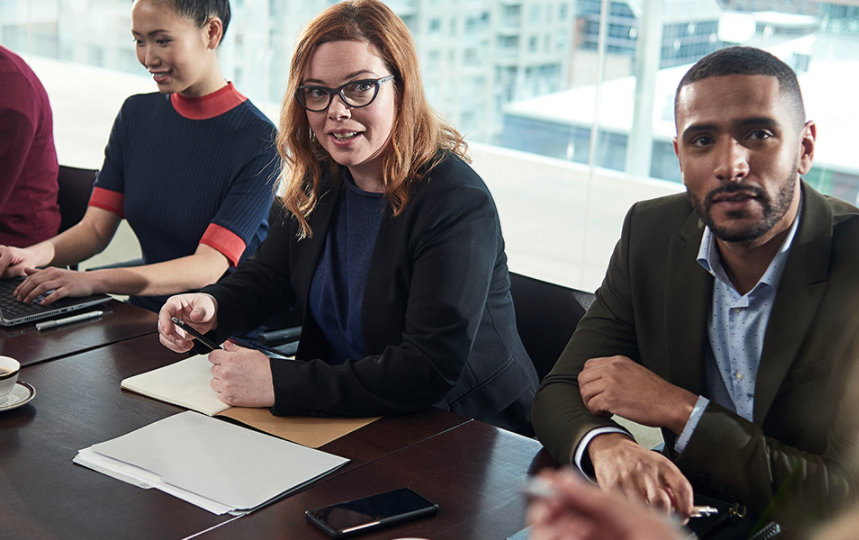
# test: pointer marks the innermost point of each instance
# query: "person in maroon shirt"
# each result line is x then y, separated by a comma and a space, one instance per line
29, 212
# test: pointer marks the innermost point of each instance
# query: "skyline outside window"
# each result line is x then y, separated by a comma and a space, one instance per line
568, 111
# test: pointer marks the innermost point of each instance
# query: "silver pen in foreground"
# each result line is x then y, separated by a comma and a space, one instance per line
535, 487
68, 320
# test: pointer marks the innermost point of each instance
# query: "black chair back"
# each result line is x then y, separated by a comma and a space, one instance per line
546, 315
73, 197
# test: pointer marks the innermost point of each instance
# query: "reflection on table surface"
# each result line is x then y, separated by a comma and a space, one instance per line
472, 470
120, 321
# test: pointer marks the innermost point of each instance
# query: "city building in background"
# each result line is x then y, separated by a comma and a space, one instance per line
689, 29
476, 55
567, 104
547, 126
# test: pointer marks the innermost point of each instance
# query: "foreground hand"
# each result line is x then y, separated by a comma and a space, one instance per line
242, 377
197, 309
579, 510
622, 465
617, 385
59, 280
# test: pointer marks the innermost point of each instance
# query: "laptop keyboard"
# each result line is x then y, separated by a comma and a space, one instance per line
13, 312
12, 308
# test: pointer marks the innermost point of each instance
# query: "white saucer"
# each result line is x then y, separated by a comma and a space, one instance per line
20, 394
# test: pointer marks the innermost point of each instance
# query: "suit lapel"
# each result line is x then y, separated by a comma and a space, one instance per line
800, 292
309, 250
688, 295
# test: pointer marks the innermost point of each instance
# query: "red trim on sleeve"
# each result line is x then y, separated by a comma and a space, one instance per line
225, 241
210, 105
112, 201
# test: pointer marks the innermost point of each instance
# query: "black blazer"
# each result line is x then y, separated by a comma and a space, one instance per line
437, 317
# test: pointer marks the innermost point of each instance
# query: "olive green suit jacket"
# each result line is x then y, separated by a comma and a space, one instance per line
793, 460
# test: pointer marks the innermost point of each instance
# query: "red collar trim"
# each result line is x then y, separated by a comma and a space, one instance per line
210, 105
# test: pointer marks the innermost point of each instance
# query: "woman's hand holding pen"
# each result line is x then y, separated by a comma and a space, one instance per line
197, 310
242, 377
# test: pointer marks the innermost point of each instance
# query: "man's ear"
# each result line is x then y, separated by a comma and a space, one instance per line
807, 141
677, 153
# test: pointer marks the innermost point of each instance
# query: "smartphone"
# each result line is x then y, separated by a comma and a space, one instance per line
349, 518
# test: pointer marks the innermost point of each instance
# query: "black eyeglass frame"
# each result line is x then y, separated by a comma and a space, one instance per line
377, 83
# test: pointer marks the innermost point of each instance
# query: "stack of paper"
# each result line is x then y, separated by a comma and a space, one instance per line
208, 462
186, 383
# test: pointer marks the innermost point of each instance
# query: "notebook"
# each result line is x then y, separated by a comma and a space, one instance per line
13, 312
186, 383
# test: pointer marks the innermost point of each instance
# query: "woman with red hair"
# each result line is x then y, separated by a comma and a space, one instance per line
387, 241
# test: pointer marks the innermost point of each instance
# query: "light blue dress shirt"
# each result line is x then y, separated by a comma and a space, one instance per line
737, 327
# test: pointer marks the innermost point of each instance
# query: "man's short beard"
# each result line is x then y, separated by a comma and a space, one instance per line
773, 211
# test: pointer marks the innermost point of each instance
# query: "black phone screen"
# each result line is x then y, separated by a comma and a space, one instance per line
349, 518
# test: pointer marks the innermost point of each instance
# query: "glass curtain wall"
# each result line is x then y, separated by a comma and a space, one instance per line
567, 105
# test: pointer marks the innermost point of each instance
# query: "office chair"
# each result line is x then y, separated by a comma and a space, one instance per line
546, 315
73, 197
75, 188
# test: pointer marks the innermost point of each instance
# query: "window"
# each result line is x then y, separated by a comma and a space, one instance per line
534, 14
435, 26
556, 145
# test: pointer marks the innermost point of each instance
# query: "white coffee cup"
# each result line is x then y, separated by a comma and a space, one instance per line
9, 368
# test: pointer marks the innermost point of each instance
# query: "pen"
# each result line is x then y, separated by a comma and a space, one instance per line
537, 487
68, 320
197, 335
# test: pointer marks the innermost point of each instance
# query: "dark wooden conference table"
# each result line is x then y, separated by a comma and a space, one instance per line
120, 321
471, 469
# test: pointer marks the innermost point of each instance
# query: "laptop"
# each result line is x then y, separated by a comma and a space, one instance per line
13, 312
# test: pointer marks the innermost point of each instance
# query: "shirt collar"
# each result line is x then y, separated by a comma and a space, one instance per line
210, 105
708, 255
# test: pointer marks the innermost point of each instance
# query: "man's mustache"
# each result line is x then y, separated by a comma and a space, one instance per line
734, 188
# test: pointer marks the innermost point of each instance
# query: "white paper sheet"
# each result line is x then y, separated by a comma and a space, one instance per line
230, 465
144, 479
